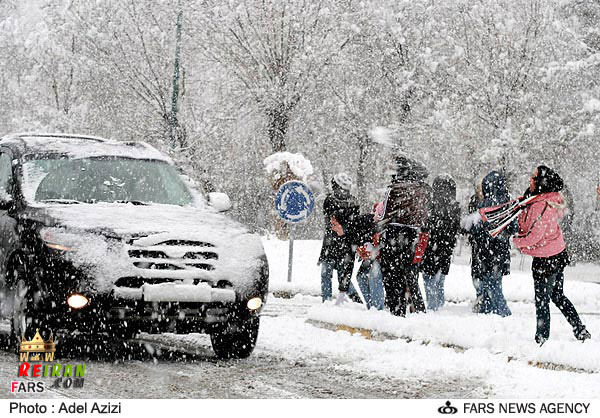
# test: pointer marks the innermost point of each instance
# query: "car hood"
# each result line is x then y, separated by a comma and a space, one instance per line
110, 231
124, 220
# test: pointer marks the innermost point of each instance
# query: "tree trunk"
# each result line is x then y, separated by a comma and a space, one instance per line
363, 153
278, 124
174, 134
277, 128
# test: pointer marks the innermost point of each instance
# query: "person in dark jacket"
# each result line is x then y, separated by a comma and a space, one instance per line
336, 252
540, 236
474, 202
443, 224
493, 252
405, 214
356, 228
369, 277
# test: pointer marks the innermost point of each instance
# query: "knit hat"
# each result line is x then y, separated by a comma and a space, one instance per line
408, 169
343, 180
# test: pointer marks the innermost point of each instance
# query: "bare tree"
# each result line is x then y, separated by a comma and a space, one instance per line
374, 82
135, 46
275, 50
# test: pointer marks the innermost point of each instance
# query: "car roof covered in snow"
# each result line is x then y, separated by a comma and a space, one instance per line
79, 146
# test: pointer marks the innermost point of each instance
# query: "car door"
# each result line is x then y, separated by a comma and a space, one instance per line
7, 225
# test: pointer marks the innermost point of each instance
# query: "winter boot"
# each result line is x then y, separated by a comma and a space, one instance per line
477, 305
342, 299
540, 340
581, 333
354, 297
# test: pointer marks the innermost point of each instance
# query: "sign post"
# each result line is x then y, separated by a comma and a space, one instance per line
294, 204
290, 253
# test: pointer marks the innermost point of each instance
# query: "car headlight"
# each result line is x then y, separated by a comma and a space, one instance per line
77, 301
254, 304
59, 239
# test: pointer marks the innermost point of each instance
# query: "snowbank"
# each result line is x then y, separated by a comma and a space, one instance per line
421, 366
455, 324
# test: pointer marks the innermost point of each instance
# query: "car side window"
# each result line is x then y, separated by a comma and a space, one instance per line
5, 174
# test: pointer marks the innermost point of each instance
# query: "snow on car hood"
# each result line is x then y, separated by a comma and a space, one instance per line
145, 228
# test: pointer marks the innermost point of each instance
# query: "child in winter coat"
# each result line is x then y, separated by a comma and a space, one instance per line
336, 252
443, 225
541, 236
493, 253
369, 275
466, 223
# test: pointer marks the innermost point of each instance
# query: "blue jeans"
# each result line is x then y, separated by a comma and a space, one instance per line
344, 271
370, 281
434, 290
477, 285
493, 300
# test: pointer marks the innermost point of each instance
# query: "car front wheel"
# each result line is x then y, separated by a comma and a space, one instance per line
236, 342
26, 317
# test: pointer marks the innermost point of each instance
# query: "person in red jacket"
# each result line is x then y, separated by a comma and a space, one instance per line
541, 237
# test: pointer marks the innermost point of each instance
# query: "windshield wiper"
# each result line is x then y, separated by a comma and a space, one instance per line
63, 201
133, 202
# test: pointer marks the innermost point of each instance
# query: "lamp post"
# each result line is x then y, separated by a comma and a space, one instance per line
173, 123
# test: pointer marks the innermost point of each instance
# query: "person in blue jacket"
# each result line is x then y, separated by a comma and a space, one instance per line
493, 253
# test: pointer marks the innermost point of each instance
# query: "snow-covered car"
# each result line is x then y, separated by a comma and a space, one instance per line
102, 237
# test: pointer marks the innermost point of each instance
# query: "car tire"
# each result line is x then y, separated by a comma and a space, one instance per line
236, 342
27, 318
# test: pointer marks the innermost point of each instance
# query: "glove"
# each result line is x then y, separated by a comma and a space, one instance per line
363, 253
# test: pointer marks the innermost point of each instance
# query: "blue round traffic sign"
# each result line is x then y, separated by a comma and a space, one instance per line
294, 201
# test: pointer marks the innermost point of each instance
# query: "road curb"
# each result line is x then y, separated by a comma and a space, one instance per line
383, 336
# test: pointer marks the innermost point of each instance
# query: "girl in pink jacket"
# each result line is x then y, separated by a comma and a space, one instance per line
541, 237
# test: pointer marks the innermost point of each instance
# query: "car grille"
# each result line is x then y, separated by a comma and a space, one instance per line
174, 255
182, 243
156, 266
135, 282
201, 255
146, 254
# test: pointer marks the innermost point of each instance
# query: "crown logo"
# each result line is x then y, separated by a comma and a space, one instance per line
37, 347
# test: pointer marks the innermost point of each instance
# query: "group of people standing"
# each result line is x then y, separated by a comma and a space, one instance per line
415, 228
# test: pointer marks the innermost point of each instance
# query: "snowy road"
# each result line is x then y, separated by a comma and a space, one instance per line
171, 366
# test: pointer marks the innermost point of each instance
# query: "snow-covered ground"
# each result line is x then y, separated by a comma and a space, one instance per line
303, 352
454, 341
431, 369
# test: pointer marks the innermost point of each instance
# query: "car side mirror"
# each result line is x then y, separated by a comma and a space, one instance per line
219, 201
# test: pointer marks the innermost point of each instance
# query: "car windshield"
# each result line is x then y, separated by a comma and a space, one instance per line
90, 180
